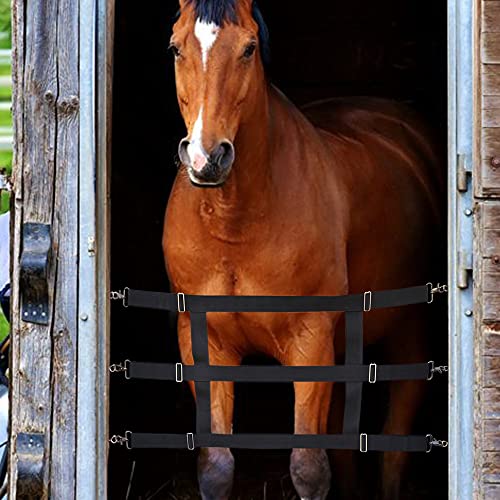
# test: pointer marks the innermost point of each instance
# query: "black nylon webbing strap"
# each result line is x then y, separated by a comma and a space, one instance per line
282, 441
246, 373
199, 338
353, 356
353, 372
218, 303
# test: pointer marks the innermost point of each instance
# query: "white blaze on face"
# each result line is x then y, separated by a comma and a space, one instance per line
195, 149
206, 33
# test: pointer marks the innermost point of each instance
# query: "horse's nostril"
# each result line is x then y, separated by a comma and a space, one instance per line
183, 151
225, 155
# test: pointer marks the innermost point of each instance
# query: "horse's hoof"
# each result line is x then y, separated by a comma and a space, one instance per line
215, 473
310, 471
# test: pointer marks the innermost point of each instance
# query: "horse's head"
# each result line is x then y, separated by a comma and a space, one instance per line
218, 46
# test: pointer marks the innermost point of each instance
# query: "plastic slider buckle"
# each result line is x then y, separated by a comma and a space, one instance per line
181, 303
179, 375
372, 373
363, 443
367, 301
190, 441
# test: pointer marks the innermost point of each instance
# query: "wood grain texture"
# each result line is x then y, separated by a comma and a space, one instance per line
491, 111
491, 440
491, 79
491, 467
487, 98
491, 492
491, 341
490, 172
46, 129
490, 50
63, 452
491, 17
18, 15
491, 373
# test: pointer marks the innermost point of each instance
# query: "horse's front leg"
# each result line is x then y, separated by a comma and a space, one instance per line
215, 465
310, 468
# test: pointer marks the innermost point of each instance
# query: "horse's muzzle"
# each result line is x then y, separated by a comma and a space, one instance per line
217, 165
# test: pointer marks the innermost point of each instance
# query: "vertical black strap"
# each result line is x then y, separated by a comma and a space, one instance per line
353, 356
199, 339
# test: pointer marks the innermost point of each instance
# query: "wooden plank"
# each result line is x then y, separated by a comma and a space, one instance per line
491, 243
491, 273
491, 491
18, 15
491, 468
491, 376
491, 111
491, 399
491, 17
63, 470
491, 79
490, 150
491, 434
491, 340
490, 215
490, 50
491, 307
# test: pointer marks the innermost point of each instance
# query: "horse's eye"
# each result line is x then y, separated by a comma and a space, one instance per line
249, 50
174, 49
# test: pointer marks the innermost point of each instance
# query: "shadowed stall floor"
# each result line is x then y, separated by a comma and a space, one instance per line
395, 49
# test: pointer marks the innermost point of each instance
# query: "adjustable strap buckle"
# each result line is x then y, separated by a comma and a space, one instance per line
190, 441
181, 302
120, 295
367, 301
121, 368
372, 373
363, 443
431, 441
179, 375
435, 289
122, 440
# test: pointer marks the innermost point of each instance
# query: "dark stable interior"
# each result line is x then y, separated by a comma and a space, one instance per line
395, 49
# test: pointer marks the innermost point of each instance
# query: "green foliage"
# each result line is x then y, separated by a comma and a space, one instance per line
5, 25
4, 327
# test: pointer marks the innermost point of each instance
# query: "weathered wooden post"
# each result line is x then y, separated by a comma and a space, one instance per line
61, 86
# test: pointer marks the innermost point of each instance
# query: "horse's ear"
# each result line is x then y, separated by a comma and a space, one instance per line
182, 3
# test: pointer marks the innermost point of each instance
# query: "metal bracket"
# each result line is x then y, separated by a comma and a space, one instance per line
464, 170
30, 449
35, 261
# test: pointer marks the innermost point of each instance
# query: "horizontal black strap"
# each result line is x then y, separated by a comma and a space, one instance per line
238, 303
246, 373
371, 442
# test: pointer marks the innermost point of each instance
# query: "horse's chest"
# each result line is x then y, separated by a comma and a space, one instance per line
212, 267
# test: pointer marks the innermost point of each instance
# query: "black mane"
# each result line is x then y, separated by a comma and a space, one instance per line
215, 11
220, 11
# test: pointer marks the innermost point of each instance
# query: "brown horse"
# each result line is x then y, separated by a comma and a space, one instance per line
337, 200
